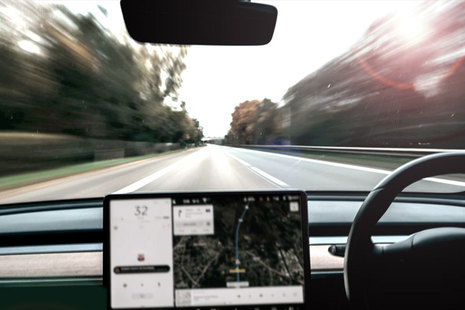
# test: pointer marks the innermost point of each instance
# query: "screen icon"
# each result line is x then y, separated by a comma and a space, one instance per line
294, 206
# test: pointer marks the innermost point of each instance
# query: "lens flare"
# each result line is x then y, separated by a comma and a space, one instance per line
411, 28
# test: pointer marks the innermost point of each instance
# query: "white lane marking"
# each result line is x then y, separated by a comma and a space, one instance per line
444, 181
317, 161
142, 182
355, 167
261, 173
148, 179
269, 177
241, 161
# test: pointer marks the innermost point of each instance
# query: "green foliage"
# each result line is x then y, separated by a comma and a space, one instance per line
78, 77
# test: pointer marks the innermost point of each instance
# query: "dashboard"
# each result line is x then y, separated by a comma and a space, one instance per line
52, 250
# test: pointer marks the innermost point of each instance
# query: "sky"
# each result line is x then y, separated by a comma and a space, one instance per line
308, 34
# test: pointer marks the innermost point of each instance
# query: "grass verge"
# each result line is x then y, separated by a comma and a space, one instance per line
15, 181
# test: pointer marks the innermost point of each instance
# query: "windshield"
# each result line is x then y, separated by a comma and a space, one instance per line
346, 92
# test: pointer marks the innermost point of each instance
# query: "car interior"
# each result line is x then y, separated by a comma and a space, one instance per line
396, 243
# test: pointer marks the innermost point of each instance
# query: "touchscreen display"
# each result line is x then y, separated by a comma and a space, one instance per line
211, 250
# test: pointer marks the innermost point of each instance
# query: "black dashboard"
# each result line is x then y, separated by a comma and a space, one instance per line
52, 251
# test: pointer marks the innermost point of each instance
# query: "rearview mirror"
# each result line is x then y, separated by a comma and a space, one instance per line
204, 22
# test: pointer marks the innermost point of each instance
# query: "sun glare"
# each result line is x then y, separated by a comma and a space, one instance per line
411, 27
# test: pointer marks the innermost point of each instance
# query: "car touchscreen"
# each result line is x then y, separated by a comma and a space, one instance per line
206, 250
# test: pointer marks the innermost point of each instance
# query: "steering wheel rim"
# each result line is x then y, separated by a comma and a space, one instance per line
360, 249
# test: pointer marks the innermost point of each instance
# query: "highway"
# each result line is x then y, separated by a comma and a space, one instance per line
217, 168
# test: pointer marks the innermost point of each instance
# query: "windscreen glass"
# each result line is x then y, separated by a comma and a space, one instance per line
211, 251
346, 92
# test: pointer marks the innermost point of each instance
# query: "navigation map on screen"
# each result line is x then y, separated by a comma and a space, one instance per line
206, 251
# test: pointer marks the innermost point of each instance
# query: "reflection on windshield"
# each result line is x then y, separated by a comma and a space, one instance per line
398, 86
79, 96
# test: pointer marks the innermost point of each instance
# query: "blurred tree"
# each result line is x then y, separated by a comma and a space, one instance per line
386, 91
242, 124
72, 75
255, 122
267, 124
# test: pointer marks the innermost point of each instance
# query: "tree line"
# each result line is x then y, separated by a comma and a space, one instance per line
62, 72
383, 92
256, 122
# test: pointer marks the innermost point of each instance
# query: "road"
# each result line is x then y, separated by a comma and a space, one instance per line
217, 168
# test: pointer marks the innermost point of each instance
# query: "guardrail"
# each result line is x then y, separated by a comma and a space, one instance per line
400, 152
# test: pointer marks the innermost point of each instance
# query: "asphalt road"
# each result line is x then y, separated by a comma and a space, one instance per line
217, 168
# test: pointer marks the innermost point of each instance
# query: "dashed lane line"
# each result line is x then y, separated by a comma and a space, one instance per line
261, 173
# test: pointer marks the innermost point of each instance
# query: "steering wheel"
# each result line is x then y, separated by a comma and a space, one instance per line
425, 270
